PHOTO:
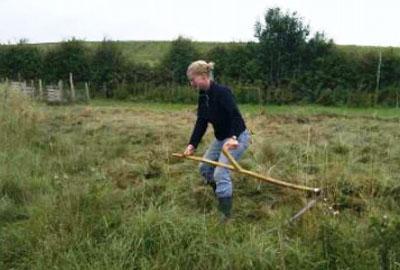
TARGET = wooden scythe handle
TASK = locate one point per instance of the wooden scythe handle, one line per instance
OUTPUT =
(237, 168)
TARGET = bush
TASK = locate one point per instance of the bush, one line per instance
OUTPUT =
(178, 58)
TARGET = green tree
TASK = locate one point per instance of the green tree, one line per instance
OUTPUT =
(235, 62)
(21, 61)
(390, 71)
(3, 69)
(70, 56)
(282, 41)
(178, 58)
(108, 66)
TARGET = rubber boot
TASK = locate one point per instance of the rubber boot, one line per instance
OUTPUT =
(225, 207)
(213, 185)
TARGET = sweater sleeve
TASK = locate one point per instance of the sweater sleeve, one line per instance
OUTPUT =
(201, 123)
(199, 129)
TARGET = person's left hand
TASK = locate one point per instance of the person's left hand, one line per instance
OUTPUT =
(230, 144)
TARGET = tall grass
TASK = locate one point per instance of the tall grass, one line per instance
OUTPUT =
(95, 187)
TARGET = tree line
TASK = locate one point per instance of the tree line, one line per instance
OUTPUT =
(285, 65)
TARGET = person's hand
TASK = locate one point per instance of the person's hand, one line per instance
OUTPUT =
(230, 144)
(189, 150)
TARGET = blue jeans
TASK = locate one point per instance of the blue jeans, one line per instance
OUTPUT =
(221, 176)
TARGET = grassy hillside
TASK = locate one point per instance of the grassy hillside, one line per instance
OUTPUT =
(96, 187)
(151, 52)
(362, 50)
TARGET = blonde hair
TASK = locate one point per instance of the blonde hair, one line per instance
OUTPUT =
(201, 67)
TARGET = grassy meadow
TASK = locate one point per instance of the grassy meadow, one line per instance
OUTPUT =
(95, 186)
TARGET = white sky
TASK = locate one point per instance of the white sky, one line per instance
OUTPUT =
(360, 22)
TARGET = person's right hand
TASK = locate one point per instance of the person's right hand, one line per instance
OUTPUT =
(189, 150)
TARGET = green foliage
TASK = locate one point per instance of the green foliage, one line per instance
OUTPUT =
(69, 56)
(235, 63)
(384, 236)
(107, 65)
(285, 66)
(282, 41)
(153, 52)
(390, 70)
(178, 58)
(21, 61)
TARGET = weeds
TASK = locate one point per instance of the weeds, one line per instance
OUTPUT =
(95, 187)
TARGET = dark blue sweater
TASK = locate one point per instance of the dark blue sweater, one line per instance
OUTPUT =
(218, 107)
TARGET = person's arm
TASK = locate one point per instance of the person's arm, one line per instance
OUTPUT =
(200, 126)
(199, 129)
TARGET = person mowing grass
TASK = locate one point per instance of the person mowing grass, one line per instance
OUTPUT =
(216, 105)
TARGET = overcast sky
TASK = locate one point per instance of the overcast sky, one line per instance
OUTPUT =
(360, 22)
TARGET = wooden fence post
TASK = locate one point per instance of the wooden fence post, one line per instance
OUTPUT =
(6, 94)
(60, 87)
(40, 90)
(105, 92)
(71, 83)
(87, 92)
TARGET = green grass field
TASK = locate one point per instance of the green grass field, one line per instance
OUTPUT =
(96, 187)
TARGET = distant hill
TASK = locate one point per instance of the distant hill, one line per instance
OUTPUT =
(361, 50)
(151, 52)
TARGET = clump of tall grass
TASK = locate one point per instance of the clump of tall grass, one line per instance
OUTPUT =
(18, 118)
(18, 127)
(19, 167)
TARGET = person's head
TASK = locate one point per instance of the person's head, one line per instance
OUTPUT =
(199, 74)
